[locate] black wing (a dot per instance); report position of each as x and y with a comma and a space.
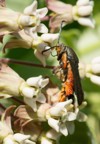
73, 59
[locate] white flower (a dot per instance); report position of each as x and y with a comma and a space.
31, 91
37, 82
32, 10
40, 44
93, 70
82, 12
95, 65
82, 71
47, 41
39, 14
29, 20
58, 115
22, 139
41, 28
32, 102
61, 116
41, 112
18, 138
60, 108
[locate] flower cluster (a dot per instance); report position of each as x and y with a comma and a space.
81, 12
12, 21
40, 105
37, 97
27, 25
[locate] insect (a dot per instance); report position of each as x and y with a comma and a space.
69, 76
71, 82
68, 73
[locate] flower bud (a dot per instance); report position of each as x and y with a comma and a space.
28, 92
82, 12
10, 82
82, 2
95, 79
95, 66
85, 10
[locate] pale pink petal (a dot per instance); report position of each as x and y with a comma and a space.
42, 28
70, 127
54, 124
40, 57
50, 38
31, 9
32, 32
55, 21
86, 22
81, 117
33, 81
31, 102
20, 137
43, 82
63, 129
58, 7
41, 12
41, 98
95, 79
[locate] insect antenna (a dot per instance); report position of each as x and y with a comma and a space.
60, 30
58, 41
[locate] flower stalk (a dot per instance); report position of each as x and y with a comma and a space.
20, 62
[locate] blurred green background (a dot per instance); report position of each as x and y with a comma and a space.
86, 43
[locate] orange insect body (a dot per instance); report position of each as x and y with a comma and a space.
67, 86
